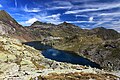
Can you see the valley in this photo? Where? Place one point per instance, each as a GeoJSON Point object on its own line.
{"type": "Point", "coordinates": [48, 51]}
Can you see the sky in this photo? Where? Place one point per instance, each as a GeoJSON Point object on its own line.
{"type": "Point", "coordinates": [85, 13]}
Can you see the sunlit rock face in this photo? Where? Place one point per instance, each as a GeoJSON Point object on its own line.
{"type": "Point", "coordinates": [2, 30]}
{"type": "Point", "coordinates": [5, 29]}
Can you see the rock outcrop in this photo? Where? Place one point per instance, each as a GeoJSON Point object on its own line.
{"type": "Point", "coordinates": [21, 62]}
{"type": "Point", "coordinates": [105, 34]}
{"type": "Point", "coordinates": [107, 54]}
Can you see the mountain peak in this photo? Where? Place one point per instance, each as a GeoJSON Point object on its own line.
{"type": "Point", "coordinates": [36, 23]}
{"type": "Point", "coordinates": [66, 24]}
{"type": "Point", "coordinates": [100, 28]}
{"type": "Point", "coordinates": [3, 11]}
{"type": "Point", "coordinates": [4, 16]}
{"type": "Point", "coordinates": [106, 33]}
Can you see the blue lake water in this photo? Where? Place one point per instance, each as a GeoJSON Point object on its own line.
{"type": "Point", "coordinates": [61, 56]}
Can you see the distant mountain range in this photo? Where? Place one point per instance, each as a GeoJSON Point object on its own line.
{"type": "Point", "coordinates": [12, 28]}
{"type": "Point", "coordinates": [92, 43]}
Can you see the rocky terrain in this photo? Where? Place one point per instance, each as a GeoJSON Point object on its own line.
{"type": "Point", "coordinates": [106, 53]}
{"type": "Point", "coordinates": [100, 45]}
{"type": "Point", "coordinates": [21, 62]}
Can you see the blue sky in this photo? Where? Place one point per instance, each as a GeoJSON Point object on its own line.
{"type": "Point", "coordinates": [84, 13]}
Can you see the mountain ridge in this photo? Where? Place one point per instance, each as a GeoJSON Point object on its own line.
{"type": "Point", "coordinates": [66, 36]}
{"type": "Point", "coordinates": [5, 16]}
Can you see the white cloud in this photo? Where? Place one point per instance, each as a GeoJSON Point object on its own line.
{"type": "Point", "coordinates": [62, 3]}
{"type": "Point", "coordinates": [31, 21]}
{"type": "Point", "coordinates": [55, 18]}
{"type": "Point", "coordinates": [94, 7]}
{"type": "Point", "coordinates": [55, 5]}
{"type": "Point", "coordinates": [79, 22]}
{"type": "Point", "coordinates": [61, 7]}
{"type": "Point", "coordinates": [114, 25]}
{"type": "Point", "coordinates": [80, 1]}
{"type": "Point", "coordinates": [16, 3]}
{"type": "Point", "coordinates": [1, 6]}
{"type": "Point", "coordinates": [78, 11]}
{"type": "Point", "coordinates": [81, 15]}
{"type": "Point", "coordinates": [110, 14]}
{"type": "Point", "coordinates": [43, 17]}
{"type": "Point", "coordinates": [23, 23]}
{"type": "Point", "coordinates": [99, 23]}
{"type": "Point", "coordinates": [91, 19]}
{"type": "Point", "coordinates": [31, 10]}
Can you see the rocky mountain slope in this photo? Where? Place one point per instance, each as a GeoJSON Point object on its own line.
{"type": "Point", "coordinates": [107, 54]}
{"type": "Point", "coordinates": [4, 16]}
{"type": "Point", "coordinates": [39, 30]}
{"type": "Point", "coordinates": [10, 27]}
{"type": "Point", "coordinates": [86, 43]}
{"type": "Point", "coordinates": [106, 34]}
{"type": "Point", "coordinates": [21, 62]}
{"type": "Point", "coordinates": [68, 37]}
